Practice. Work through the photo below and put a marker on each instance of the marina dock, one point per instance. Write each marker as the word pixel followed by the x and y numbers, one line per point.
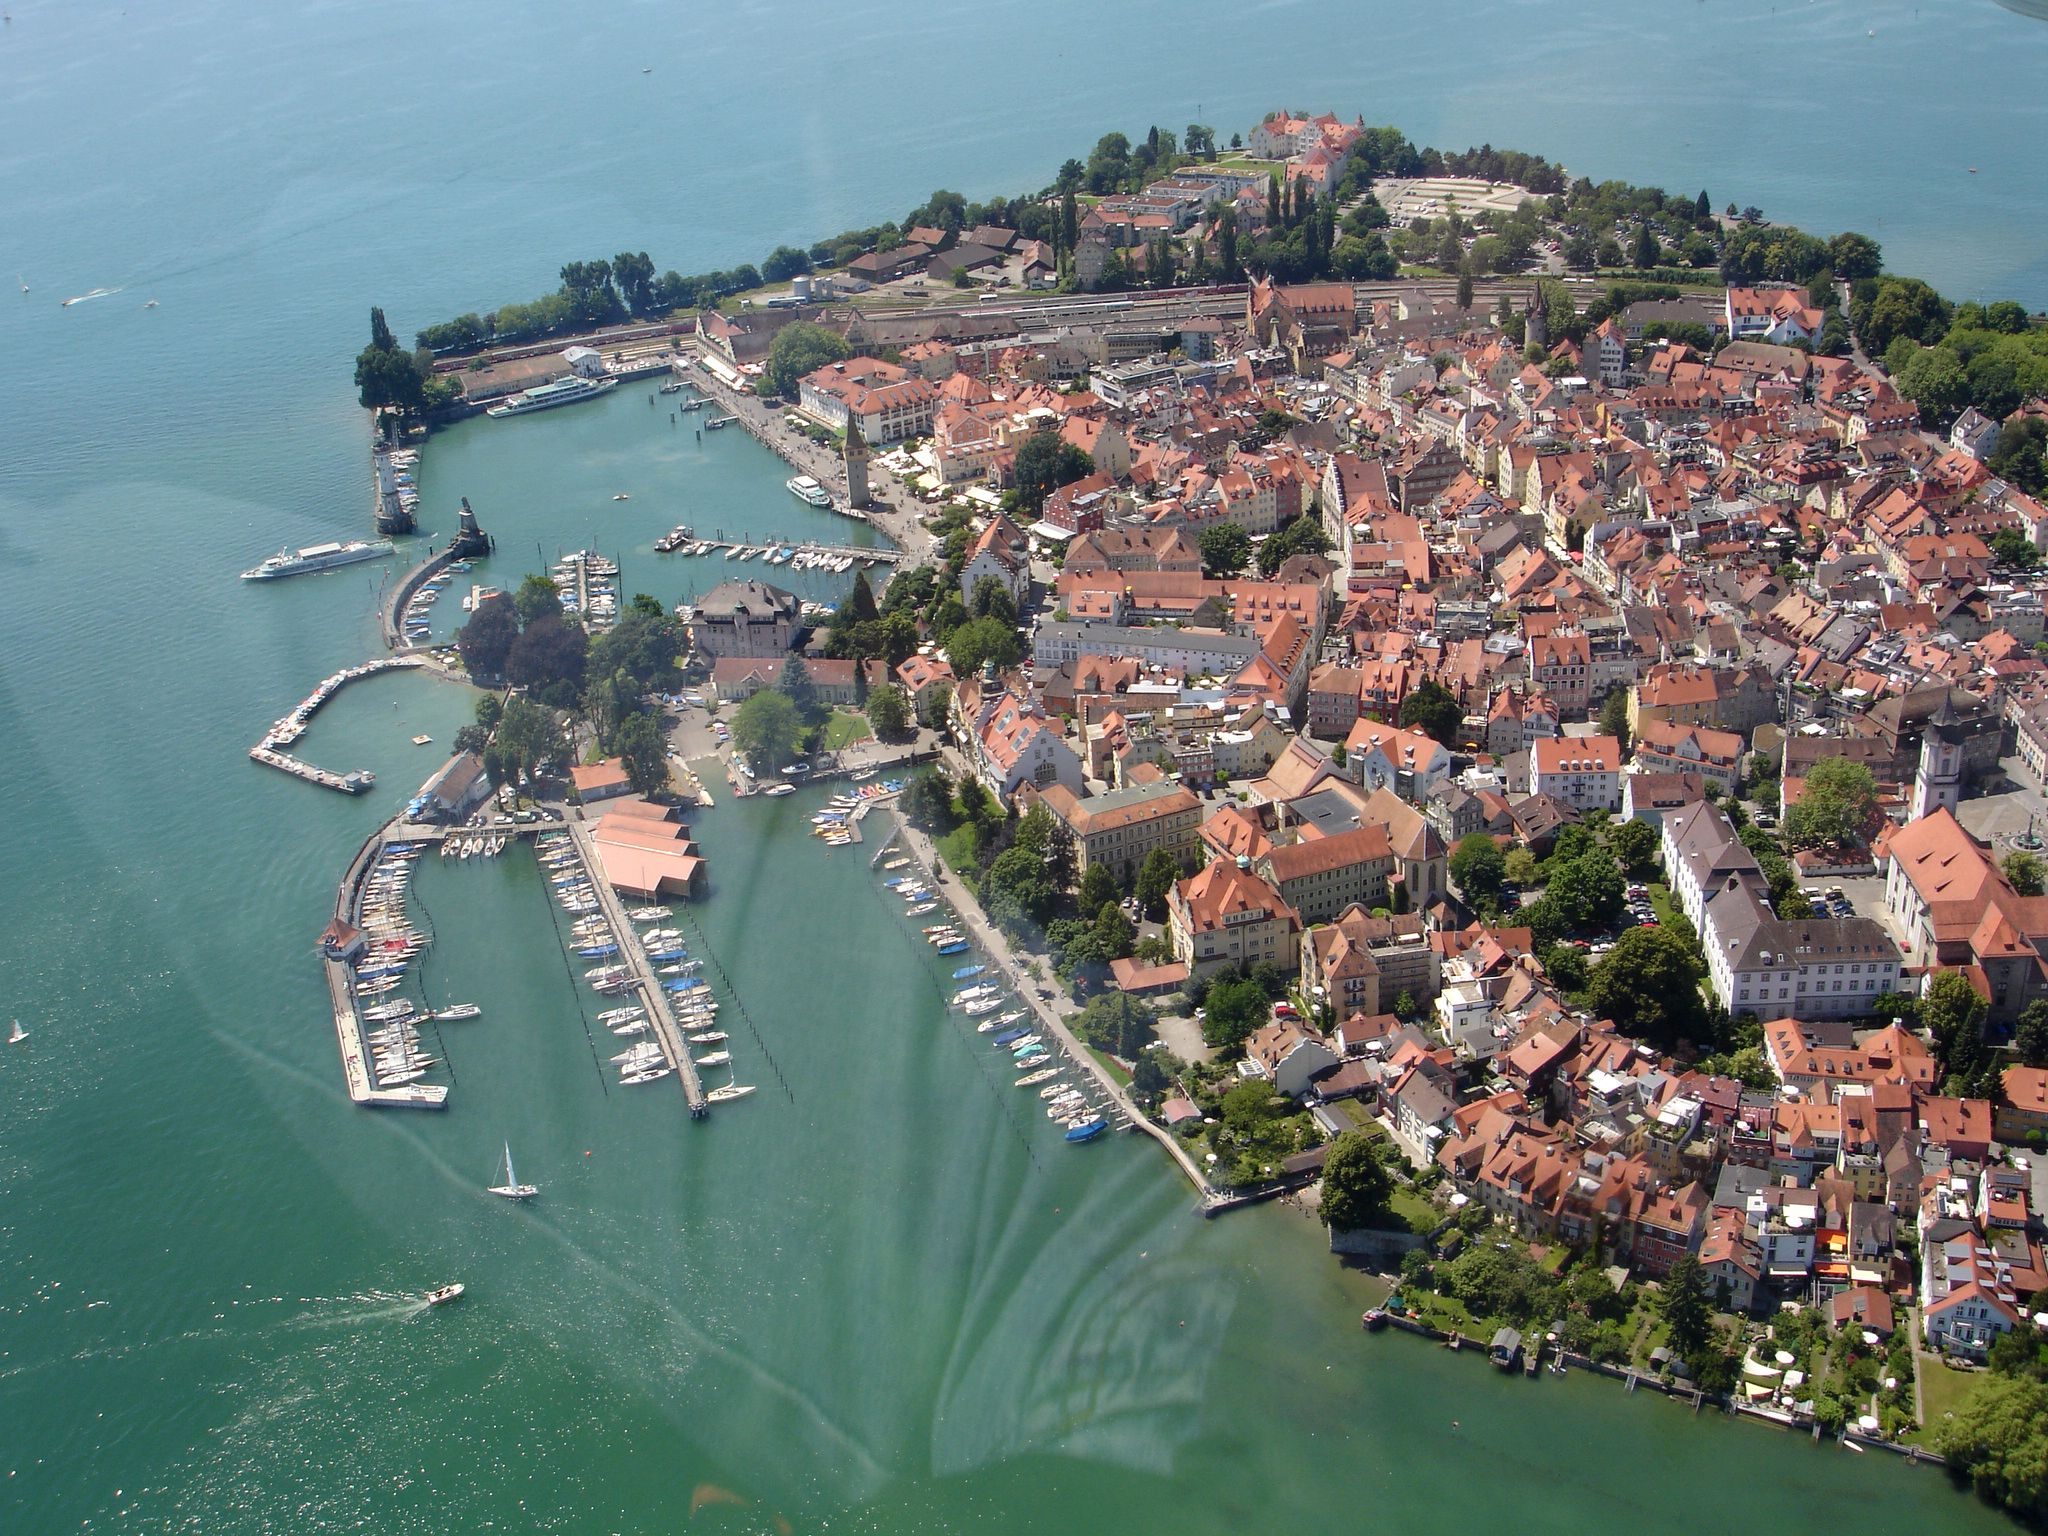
pixel 674 1049
pixel 270 750
pixel 348 1020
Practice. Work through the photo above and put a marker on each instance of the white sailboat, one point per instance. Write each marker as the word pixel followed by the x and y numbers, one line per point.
pixel 511 1188
pixel 17 1034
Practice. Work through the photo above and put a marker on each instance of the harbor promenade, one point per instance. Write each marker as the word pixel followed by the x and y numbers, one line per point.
pixel 674 1048
pixel 892 514
pixel 1007 960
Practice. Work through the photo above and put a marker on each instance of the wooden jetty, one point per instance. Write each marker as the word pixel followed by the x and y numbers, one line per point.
pixel 674 1049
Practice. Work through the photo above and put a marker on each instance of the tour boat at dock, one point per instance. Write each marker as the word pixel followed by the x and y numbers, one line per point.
pixel 545 397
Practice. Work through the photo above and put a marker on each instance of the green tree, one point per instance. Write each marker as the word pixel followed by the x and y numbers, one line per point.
pixel 888 712
pixel 927 801
pixel 1839 798
pixel 1648 255
pixel 992 600
pixel 1018 888
pixel 1586 891
pixel 783 263
pixel 486 639
pixel 1045 462
pixel 1433 709
pixel 2030 1034
pixel 1117 1023
pixel 1521 867
pixel 860 601
pixel 1235 1007
pixel 643 753
pixel 1156 876
pixel 980 641
pixel 1614 716
pixel 766 731
pixel 794 683
pixel 1097 889
pixel 528 737
pixel 1953 1014
pixel 1648 984
pixel 1688 1312
pixel 1565 965
pixel 1465 289
pixel 389 378
pixel 2020 456
pixel 1998 1439
pixel 538 598
pixel 1357 1188
pixel 1303 536
pixel 1479 867
pixel 1635 844
pixel 800 348
pixel 1225 548
pixel 2024 870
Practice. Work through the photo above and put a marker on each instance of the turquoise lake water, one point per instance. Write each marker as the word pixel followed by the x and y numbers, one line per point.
pixel 880 1295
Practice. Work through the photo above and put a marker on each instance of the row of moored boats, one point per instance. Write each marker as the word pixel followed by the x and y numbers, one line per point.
pixel 612 973
pixel 391 1024
pixel 417 621
pixel 981 995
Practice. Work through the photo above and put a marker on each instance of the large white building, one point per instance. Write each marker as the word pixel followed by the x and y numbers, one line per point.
pixel 1759 963
pixel 1582 771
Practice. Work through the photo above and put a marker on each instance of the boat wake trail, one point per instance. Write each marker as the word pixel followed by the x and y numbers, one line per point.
pixel 97 293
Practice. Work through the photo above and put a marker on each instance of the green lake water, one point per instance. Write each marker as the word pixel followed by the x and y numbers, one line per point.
pixel 880 1295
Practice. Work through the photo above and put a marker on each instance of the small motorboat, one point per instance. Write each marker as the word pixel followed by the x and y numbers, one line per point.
pixel 443 1295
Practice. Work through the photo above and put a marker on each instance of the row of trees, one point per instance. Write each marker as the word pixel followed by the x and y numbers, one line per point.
pixel 528 641
pixel 388 376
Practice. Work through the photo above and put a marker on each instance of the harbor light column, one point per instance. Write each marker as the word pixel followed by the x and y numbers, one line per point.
pixel 856 456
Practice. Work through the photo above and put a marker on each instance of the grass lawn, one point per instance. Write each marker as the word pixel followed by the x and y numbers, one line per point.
pixel 1354 1116
pixel 1942 1390
pixel 1245 164
pixel 843 729
pixel 1439 1311
pixel 1111 1066
pixel 1420 1215
pixel 1662 905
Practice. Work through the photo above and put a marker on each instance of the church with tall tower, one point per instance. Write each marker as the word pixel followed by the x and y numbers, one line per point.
pixel 1938 783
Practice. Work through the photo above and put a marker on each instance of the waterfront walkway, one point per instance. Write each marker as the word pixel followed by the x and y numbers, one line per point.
pixel 633 954
pixel 1015 969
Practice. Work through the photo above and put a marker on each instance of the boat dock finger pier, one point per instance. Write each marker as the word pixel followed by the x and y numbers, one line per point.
pixel 674 1049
